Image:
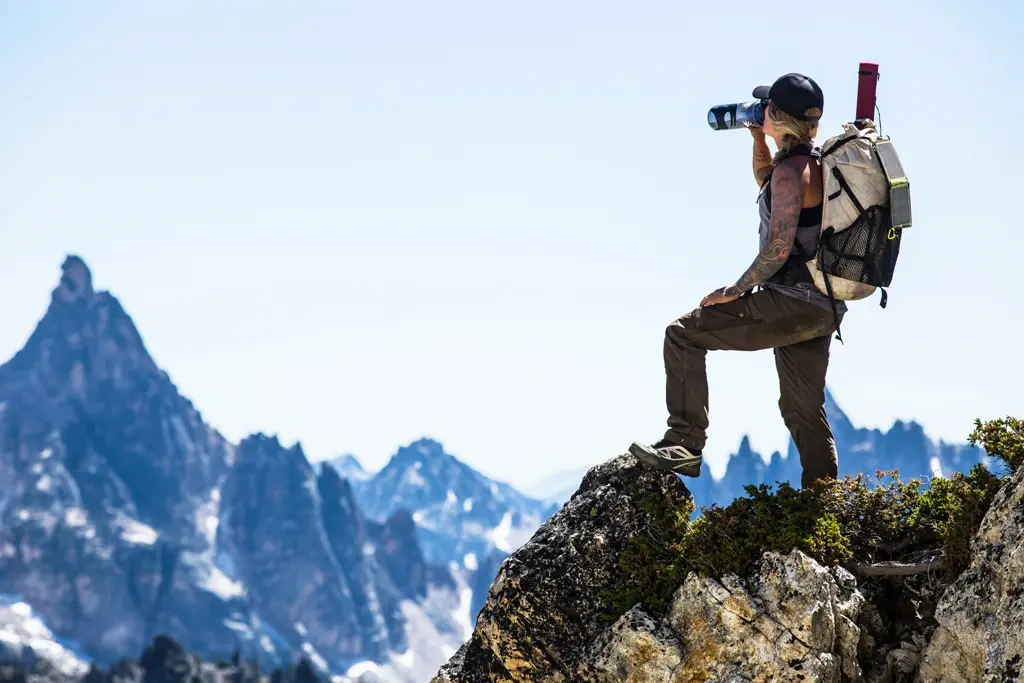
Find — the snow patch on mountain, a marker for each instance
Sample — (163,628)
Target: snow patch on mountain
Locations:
(210,577)
(134,531)
(436,626)
(24,635)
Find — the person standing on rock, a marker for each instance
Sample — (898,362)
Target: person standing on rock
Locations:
(786,313)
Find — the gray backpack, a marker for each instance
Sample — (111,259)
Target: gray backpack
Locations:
(865,208)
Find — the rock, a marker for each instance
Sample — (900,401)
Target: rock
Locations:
(793,621)
(543,611)
(790,623)
(473,664)
(981,615)
(902,663)
(166,661)
(851,604)
(639,649)
(482,579)
(75,280)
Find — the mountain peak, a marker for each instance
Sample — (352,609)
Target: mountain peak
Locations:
(348,467)
(261,449)
(75,280)
(424,447)
(259,439)
(84,338)
(745,451)
(349,460)
(424,452)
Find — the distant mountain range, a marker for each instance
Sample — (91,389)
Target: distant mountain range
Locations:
(904,447)
(124,515)
(460,515)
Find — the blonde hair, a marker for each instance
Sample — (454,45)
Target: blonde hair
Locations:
(795,132)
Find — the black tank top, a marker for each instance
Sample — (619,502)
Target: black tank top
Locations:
(794,271)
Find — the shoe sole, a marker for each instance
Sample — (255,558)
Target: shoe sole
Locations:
(649,456)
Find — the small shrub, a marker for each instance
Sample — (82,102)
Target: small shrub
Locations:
(1002,438)
(958,505)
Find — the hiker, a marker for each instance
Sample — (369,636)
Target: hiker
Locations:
(787,313)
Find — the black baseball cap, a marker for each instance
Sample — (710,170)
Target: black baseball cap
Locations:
(796,95)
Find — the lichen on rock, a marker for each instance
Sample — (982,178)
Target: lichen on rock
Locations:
(790,622)
(544,621)
(543,611)
(981,615)
(639,648)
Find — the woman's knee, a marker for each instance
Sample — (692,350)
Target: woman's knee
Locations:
(678,331)
(803,411)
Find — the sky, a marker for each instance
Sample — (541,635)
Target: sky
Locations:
(353,224)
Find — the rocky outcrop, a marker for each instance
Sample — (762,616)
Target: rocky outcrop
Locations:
(543,610)
(791,620)
(981,615)
(482,579)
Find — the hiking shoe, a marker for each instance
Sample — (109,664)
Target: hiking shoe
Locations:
(668,455)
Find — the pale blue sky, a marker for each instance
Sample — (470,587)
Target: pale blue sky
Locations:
(354,224)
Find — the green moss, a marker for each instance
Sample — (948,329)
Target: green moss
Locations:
(835,522)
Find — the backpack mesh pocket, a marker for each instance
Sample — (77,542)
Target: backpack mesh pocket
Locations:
(864,252)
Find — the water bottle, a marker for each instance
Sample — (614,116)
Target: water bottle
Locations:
(739,115)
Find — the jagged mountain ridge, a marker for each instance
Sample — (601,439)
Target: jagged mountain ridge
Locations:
(124,515)
(461,516)
(904,446)
(277,524)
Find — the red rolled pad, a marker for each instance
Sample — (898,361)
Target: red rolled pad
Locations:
(866,84)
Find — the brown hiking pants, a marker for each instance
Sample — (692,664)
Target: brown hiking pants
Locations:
(801,334)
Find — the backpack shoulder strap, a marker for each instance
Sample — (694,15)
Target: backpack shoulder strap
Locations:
(800,150)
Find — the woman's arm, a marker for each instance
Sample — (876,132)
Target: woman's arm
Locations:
(762,156)
(787,200)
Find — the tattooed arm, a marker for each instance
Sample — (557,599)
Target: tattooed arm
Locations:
(787,200)
(762,156)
